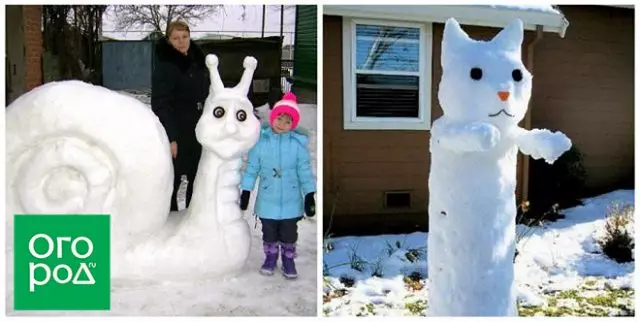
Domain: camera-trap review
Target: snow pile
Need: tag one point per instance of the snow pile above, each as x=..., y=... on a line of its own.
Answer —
x=560, y=255
x=376, y=267
x=559, y=265
x=143, y=96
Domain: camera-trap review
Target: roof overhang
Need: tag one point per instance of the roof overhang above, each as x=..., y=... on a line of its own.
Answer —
x=496, y=16
x=624, y=6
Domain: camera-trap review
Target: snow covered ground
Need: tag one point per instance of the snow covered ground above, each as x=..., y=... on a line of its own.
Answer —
x=560, y=269
x=248, y=294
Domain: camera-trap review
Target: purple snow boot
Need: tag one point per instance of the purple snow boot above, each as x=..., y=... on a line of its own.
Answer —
x=271, y=257
x=288, y=265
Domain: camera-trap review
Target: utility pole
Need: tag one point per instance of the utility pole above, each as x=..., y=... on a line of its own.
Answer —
x=281, y=19
x=264, y=9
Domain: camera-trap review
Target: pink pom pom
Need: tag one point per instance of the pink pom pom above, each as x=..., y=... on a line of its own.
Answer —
x=289, y=96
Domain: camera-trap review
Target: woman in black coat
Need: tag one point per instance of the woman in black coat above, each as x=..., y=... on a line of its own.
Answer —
x=179, y=88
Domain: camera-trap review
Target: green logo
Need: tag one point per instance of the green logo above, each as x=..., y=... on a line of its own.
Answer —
x=62, y=262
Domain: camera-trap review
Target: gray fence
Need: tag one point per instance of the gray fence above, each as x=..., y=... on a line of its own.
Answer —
x=127, y=64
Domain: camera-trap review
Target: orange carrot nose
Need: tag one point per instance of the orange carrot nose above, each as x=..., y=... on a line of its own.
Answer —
x=503, y=96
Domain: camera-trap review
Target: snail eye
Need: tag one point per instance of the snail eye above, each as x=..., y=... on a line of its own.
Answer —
x=218, y=112
x=241, y=115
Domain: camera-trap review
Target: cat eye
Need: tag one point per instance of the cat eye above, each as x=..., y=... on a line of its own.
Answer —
x=218, y=112
x=241, y=115
x=517, y=75
x=476, y=73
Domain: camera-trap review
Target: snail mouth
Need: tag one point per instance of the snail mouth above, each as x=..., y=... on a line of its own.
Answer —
x=227, y=147
x=500, y=112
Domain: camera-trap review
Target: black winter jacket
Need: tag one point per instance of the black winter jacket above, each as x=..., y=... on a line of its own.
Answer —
x=180, y=85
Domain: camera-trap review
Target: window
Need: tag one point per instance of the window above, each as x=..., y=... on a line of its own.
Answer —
x=387, y=75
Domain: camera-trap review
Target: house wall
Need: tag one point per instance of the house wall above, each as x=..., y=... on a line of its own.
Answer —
x=584, y=86
x=360, y=165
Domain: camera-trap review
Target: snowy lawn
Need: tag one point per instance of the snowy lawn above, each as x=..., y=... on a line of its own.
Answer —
x=560, y=270
x=248, y=294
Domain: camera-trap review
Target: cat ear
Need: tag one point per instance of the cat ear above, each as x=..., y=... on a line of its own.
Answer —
x=510, y=38
x=453, y=39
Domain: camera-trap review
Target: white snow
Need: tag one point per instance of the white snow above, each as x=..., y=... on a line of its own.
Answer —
x=249, y=293
x=560, y=255
x=143, y=96
x=557, y=256
x=77, y=148
x=472, y=176
x=545, y=8
x=358, y=258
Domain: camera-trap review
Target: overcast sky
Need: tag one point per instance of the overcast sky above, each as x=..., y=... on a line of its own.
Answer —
x=231, y=24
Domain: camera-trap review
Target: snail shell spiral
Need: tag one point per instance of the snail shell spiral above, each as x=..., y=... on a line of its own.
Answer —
x=76, y=148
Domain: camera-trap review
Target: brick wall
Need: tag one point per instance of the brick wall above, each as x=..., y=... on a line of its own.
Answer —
x=32, y=23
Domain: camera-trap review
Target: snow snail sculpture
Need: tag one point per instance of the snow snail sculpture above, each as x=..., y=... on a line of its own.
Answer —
x=484, y=92
x=77, y=148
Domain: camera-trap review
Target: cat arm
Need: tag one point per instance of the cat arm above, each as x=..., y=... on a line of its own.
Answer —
x=464, y=137
x=542, y=143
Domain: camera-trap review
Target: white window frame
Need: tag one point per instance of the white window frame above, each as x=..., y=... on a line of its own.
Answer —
x=350, y=119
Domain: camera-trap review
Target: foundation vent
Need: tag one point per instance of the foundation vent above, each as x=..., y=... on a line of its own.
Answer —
x=397, y=199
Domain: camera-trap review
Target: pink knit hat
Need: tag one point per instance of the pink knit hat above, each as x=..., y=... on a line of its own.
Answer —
x=288, y=105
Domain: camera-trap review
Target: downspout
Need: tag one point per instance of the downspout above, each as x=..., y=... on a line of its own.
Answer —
x=527, y=117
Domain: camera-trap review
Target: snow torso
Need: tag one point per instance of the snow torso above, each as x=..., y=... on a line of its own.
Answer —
x=484, y=93
x=213, y=238
x=471, y=229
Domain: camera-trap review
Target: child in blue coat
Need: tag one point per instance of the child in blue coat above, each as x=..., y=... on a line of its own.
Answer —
x=282, y=161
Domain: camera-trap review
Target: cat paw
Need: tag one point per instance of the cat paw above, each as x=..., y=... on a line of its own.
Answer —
x=486, y=136
x=553, y=146
x=544, y=144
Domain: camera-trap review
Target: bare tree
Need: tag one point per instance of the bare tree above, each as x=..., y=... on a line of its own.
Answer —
x=71, y=35
x=384, y=40
x=157, y=17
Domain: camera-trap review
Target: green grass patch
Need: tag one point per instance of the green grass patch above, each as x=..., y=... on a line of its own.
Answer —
x=417, y=308
x=607, y=302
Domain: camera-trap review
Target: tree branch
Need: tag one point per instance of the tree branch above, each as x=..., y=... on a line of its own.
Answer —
x=159, y=16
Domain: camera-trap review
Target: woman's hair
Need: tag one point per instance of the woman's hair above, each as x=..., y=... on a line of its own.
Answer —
x=177, y=25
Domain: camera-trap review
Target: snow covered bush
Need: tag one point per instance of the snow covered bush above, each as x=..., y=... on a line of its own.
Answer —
x=617, y=242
